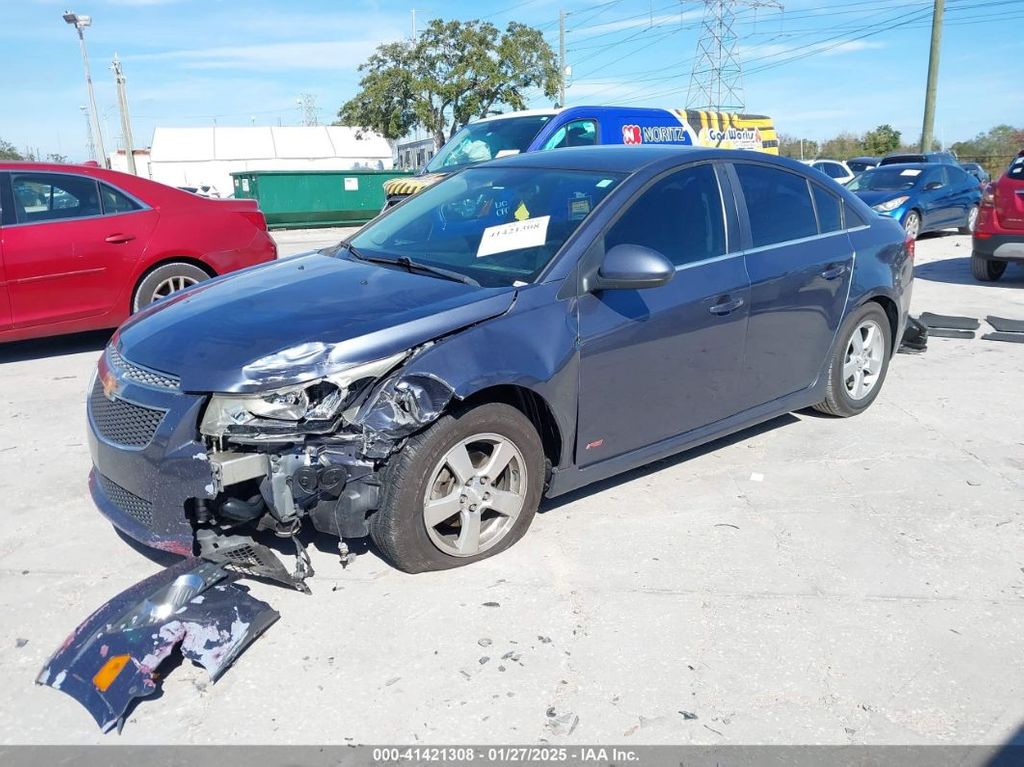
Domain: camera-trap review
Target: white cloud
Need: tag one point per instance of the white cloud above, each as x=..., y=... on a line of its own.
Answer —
x=322, y=55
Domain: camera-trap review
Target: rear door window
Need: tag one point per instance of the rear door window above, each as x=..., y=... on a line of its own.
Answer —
x=40, y=197
x=115, y=201
x=779, y=204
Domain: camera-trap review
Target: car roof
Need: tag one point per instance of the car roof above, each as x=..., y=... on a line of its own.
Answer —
x=618, y=158
x=904, y=165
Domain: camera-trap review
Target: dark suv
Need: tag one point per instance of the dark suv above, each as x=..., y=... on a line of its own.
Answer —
x=522, y=328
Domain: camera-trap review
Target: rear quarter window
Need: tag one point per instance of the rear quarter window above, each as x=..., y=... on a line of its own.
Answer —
x=829, y=208
x=1016, y=169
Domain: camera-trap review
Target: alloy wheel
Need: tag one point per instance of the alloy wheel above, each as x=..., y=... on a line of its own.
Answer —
x=172, y=285
x=862, y=364
x=475, y=493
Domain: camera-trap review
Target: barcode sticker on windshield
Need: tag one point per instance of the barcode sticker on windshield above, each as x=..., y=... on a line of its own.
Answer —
x=910, y=172
x=515, y=235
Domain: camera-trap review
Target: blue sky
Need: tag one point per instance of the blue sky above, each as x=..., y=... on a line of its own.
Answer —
x=818, y=67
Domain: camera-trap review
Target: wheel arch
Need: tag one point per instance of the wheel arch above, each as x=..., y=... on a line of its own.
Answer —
x=892, y=312
x=529, y=403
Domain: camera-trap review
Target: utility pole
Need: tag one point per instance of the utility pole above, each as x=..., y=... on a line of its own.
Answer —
x=561, y=58
x=126, y=120
x=927, y=129
x=88, y=130
x=716, y=80
x=80, y=23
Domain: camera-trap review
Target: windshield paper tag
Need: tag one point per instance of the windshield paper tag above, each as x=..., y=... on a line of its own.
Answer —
x=910, y=172
x=513, y=236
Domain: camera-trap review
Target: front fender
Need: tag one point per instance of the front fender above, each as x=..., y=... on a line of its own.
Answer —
x=532, y=346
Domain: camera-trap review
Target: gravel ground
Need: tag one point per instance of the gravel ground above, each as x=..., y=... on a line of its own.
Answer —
x=813, y=580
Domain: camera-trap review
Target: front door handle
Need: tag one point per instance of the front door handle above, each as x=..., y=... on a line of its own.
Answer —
x=833, y=271
x=120, y=238
x=725, y=306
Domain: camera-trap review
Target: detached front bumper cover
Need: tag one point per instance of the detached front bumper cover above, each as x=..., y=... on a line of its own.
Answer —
x=111, y=658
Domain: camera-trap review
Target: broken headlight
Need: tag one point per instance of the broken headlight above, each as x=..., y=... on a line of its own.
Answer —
x=291, y=411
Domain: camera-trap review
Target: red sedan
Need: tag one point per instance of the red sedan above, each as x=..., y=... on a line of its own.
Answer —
x=82, y=248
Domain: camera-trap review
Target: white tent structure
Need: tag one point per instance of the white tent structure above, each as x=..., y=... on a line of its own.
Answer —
x=207, y=156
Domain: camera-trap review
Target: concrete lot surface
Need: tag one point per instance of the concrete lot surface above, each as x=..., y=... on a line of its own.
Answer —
x=815, y=580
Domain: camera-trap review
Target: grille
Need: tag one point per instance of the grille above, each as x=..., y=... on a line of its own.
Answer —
x=123, y=423
x=133, y=372
x=137, y=508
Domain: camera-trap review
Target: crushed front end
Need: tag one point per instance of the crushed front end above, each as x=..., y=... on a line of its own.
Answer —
x=205, y=473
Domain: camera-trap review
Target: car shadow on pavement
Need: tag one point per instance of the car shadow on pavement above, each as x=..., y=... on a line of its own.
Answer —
x=57, y=346
x=957, y=271
x=665, y=463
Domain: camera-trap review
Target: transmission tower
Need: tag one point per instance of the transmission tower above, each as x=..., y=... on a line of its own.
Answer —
x=308, y=109
x=716, y=80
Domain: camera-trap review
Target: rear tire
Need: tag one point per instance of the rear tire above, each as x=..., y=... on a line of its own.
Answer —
x=860, y=361
x=986, y=269
x=164, y=280
x=496, y=510
x=972, y=221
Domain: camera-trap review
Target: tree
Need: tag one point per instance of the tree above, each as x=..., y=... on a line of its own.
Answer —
x=993, y=149
x=881, y=140
x=452, y=73
x=8, y=152
x=797, y=148
x=57, y=157
x=842, y=147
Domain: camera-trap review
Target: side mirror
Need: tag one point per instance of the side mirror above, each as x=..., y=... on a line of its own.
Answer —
x=632, y=267
x=931, y=185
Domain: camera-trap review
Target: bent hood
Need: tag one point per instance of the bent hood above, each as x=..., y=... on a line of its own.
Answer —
x=361, y=311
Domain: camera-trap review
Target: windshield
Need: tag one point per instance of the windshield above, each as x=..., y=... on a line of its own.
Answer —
x=499, y=226
x=886, y=180
x=487, y=140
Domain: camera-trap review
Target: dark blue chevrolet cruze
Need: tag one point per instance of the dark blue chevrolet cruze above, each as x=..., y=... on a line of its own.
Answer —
x=522, y=328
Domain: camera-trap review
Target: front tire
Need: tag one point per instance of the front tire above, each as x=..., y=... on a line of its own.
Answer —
x=464, y=489
x=165, y=280
x=912, y=224
x=986, y=269
x=860, y=361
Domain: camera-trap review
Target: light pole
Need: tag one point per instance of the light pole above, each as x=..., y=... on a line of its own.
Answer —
x=80, y=23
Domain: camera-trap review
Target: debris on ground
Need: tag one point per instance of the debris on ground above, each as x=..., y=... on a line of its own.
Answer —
x=757, y=477
x=484, y=642
x=544, y=640
x=20, y=642
x=491, y=604
x=949, y=321
x=688, y=715
x=563, y=724
x=484, y=660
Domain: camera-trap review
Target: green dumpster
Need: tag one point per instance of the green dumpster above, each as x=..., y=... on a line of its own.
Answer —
x=312, y=198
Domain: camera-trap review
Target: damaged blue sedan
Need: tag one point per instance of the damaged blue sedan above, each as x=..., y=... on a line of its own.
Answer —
x=519, y=330
x=522, y=329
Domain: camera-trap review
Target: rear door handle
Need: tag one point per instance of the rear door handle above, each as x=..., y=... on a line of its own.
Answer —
x=725, y=307
x=833, y=271
x=120, y=238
